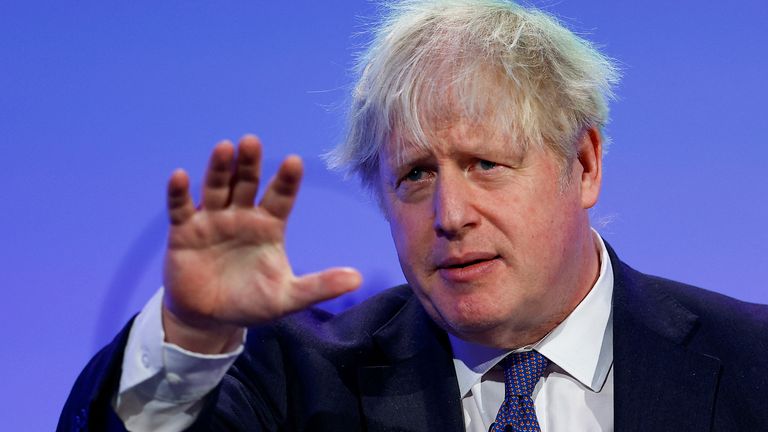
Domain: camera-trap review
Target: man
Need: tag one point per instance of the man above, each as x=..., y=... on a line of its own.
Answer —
x=476, y=125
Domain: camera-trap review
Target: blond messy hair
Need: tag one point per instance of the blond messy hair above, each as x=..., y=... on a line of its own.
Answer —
x=517, y=70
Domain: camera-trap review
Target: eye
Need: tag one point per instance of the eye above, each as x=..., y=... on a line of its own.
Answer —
x=486, y=165
x=414, y=175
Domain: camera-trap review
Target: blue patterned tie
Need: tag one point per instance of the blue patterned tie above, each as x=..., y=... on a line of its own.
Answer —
x=521, y=373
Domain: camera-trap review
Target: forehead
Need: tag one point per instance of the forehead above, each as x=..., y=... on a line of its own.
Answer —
x=451, y=135
x=474, y=108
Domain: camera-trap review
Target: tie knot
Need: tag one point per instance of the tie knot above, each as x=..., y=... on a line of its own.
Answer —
x=522, y=371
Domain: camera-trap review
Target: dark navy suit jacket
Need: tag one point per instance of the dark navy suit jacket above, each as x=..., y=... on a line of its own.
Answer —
x=685, y=359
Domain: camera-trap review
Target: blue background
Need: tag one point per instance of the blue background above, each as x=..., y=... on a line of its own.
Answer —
x=100, y=101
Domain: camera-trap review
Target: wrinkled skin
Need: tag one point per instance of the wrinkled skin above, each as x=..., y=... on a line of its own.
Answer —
x=225, y=266
x=495, y=244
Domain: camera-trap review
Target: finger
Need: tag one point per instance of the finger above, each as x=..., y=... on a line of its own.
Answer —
x=217, y=177
x=246, y=178
x=180, y=205
x=281, y=193
x=325, y=285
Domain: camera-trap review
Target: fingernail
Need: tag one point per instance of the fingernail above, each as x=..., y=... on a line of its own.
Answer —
x=349, y=276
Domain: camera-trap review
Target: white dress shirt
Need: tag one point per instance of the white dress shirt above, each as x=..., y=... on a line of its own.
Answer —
x=162, y=385
x=576, y=391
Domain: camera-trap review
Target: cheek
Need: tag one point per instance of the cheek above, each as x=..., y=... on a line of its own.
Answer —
x=411, y=232
x=403, y=231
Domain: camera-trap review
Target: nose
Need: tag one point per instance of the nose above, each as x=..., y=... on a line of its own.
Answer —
x=454, y=205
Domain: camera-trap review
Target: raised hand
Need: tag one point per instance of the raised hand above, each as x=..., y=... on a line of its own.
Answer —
x=226, y=267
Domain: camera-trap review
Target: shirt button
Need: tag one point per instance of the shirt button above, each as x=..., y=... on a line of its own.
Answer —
x=145, y=359
x=173, y=378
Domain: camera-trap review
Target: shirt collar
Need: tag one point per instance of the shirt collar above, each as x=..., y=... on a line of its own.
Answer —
x=581, y=345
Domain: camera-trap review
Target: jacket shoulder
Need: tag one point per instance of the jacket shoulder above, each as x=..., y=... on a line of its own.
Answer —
x=672, y=339
x=725, y=317
x=89, y=405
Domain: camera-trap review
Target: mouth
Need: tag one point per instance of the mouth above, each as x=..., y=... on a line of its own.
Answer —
x=467, y=268
x=464, y=264
x=466, y=260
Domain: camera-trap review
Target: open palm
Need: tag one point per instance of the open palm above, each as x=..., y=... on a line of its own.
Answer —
x=226, y=266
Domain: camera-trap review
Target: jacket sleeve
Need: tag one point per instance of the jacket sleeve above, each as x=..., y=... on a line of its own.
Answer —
x=89, y=407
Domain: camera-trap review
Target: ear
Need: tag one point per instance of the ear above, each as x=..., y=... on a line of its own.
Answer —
x=590, y=157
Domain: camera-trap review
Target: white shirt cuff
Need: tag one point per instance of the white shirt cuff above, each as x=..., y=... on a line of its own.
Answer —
x=163, y=379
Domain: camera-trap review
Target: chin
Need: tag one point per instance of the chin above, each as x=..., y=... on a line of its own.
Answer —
x=471, y=320
x=481, y=333
x=486, y=321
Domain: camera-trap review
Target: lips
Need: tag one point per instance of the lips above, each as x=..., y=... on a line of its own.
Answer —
x=468, y=267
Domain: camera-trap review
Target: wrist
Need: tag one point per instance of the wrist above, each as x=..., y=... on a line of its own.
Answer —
x=202, y=338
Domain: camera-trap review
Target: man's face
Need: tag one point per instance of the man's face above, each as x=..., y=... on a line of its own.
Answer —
x=495, y=245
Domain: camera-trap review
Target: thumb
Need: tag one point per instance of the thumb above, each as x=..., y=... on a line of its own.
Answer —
x=325, y=285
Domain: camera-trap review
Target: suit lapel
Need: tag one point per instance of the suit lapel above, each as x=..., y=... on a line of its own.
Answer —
x=411, y=386
x=659, y=383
